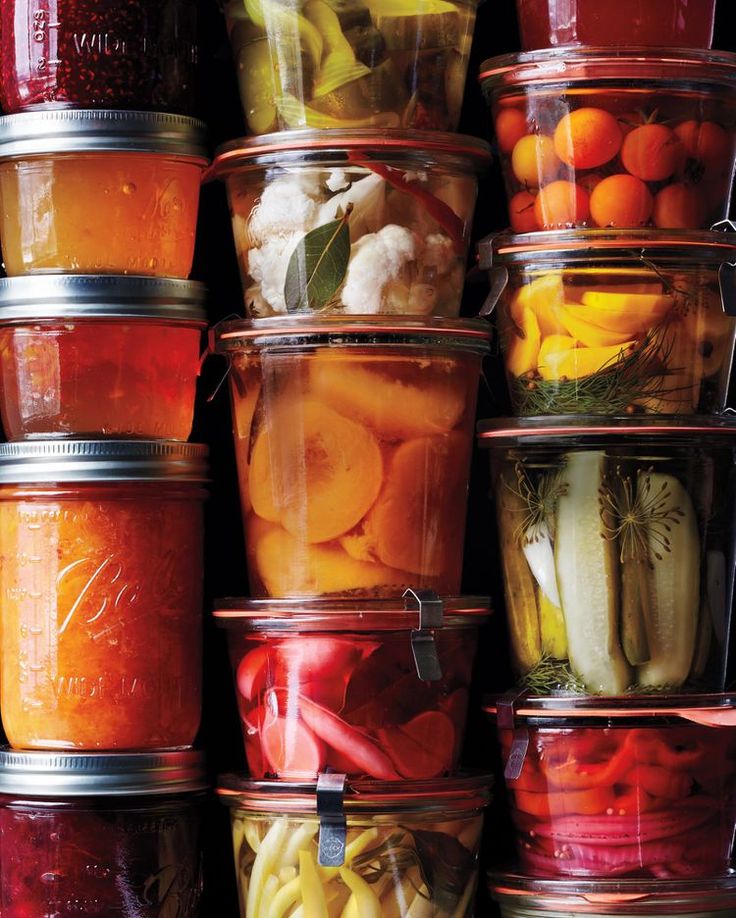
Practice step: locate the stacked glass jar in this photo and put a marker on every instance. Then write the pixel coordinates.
(100, 494)
(615, 483)
(353, 389)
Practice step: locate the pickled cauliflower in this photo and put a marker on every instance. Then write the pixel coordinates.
(375, 261)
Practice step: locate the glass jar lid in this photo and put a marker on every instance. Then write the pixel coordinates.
(100, 296)
(466, 792)
(638, 67)
(600, 245)
(591, 429)
(527, 897)
(338, 331)
(56, 461)
(93, 774)
(340, 147)
(69, 130)
(713, 710)
(299, 616)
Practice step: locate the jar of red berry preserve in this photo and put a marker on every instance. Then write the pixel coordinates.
(100, 835)
(98, 53)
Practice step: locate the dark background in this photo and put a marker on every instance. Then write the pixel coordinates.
(496, 33)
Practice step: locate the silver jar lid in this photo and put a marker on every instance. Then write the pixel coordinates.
(52, 461)
(83, 130)
(100, 296)
(96, 774)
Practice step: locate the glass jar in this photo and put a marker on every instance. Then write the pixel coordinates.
(101, 586)
(524, 897)
(138, 54)
(408, 848)
(99, 356)
(100, 835)
(668, 23)
(353, 442)
(606, 789)
(618, 138)
(393, 214)
(341, 686)
(99, 192)
(615, 322)
(617, 549)
(356, 65)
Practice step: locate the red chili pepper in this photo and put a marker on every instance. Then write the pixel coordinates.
(442, 213)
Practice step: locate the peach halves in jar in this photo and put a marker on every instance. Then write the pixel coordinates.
(100, 591)
(353, 443)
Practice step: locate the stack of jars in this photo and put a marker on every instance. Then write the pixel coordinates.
(353, 389)
(100, 494)
(615, 484)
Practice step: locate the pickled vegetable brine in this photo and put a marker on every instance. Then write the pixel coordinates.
(377, 64)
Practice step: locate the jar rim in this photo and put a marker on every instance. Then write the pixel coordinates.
(35, 297)
(335, 144)
(101, 774)
(635, 65)
(81, 130)
(467, 791)
(714, 709)
(300, 616)
(624, 896)
(337, 331)
(57, 461)
(552, 430)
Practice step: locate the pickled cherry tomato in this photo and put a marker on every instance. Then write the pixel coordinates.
(510, 127)
(561, 204)
(679, 206)
(652, 152)
(621, 200)
(708, 144)
(587, 138)
(521, 212)
(534, 160)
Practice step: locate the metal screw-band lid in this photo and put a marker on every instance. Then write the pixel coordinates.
(46, 461)
(100, 296)
(83, 130)
(73, 774)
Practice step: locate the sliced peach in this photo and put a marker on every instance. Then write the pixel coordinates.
(629, 314)
(418, 521)
(287, 567)
(313, 470)
(585, 361)
(542, 296)
(522, 349)
(429, 398)
(572, 318)
(553, 349)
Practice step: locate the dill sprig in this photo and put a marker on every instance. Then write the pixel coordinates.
(551, 675)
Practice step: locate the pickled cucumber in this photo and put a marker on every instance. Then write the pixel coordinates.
(587, 576)
(416, 25)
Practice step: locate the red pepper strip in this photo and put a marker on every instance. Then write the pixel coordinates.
(657, 751)
(660, 782)
(581, 803)
(442, 213)
(578, 775)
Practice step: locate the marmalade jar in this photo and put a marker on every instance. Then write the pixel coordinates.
(99, 356)
(133, 54)
(615, 322)
(377, 65)
(526, 897)
(606, 788)
(99, 192)
(614, 137)
(670, 23)
(339, 685)
(404, 848)
(617, 550)
(353, 443)
(101, 593)
(100, 835)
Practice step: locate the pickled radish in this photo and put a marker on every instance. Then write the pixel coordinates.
(251, 674)
(291, 748)
(423, 747)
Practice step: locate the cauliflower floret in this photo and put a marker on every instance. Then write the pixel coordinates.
(375, 261)
(267, 266)
(288, 204)
(439, 254)
(337, 180)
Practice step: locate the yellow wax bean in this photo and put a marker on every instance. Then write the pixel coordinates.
(313, 894)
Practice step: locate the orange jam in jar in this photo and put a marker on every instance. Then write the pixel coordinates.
(99, 192)
(100, 585)
(99, 356)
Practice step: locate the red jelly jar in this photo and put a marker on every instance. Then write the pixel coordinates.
(98, 53)
(100, 835)
(99, 356)
(375, 689)
(607, 788)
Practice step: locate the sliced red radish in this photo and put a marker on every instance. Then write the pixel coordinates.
(423, 747)
(251, 677)
(291, 748)
(312, 657)
(347, 741)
